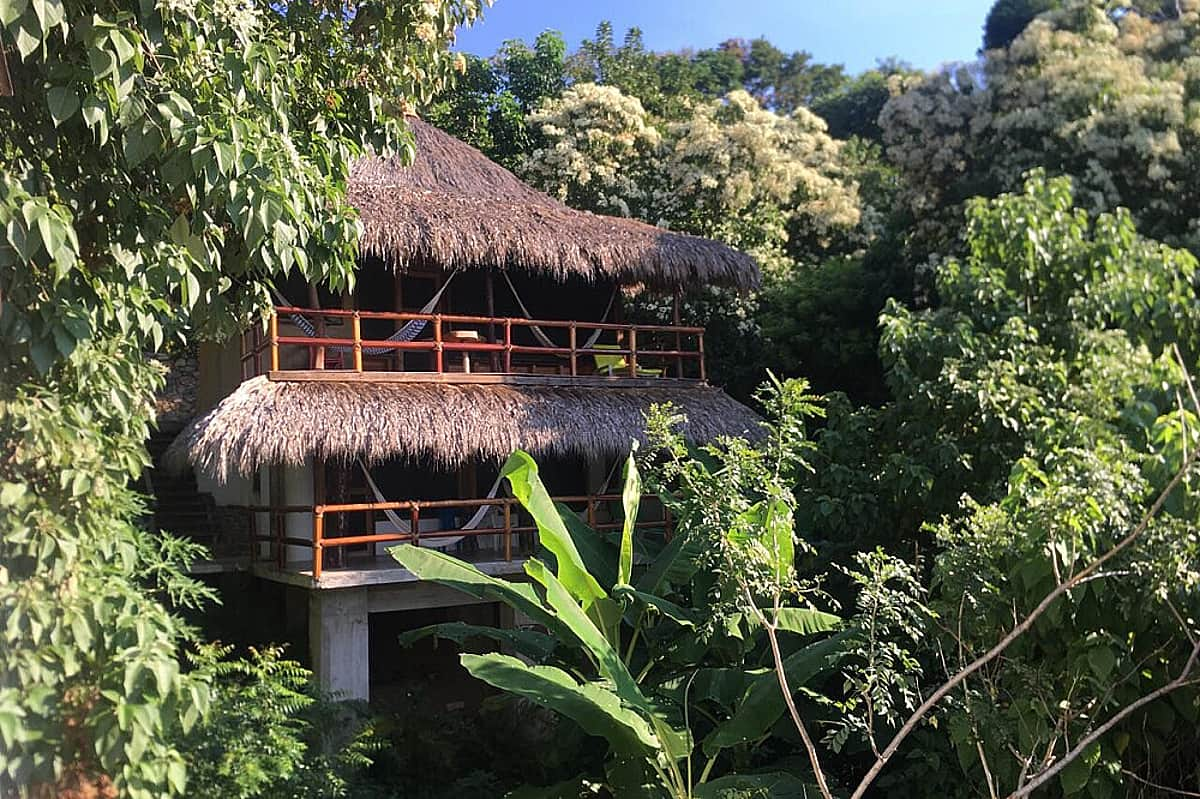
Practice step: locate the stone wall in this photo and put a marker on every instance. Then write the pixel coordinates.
(176, 402)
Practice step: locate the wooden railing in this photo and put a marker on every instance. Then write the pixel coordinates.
(505, 345)
(512, 520)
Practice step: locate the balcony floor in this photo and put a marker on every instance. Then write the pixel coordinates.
(381, 569)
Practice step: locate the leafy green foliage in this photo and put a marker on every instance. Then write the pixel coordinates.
(267, 735)
(160, 165)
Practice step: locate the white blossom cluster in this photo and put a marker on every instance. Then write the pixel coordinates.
(1114, 102)
(599, 144)
(731, 169)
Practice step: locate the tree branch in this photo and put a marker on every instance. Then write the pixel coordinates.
(1100, 731)
(1021, 627)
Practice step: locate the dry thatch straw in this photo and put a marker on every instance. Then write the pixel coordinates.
(266, 421)
(454, 208)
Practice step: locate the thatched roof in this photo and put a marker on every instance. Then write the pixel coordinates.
(453, 207)
(447, 424)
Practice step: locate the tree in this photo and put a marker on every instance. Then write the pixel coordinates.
(159, 166)
(1042, 411)
(598, 151)
(1007, 18)
(1105, 99)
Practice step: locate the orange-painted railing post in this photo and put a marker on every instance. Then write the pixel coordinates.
(414, 526)
(508, 346)
(633, 366)
(508, 530)
(356, 327)
(574, 355)
(437, 344)
(274, 342)
(318, 542)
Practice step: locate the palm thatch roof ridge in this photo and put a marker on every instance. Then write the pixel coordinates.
(455, 208)
(289, 422)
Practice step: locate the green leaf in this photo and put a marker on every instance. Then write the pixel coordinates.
(522, 474)
(63, 104)
(11, 10)
(772, 785)
(1102, 659)
(806, 621)
(1075, 775)
(11, 493)
(594, 708)
(763, 703)
(675, 565)
(631, 497)
(587, 633)
(429, 564)
(528, 642)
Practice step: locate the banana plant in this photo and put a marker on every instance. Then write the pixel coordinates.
(634, 663)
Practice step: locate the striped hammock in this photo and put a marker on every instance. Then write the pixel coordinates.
(540, 334)
(440, 542)
(408, 332)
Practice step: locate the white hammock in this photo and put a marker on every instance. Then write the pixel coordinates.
(408, 332)
(404, 526)
(540, 334)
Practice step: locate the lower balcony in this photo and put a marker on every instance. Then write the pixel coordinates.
(345, 545)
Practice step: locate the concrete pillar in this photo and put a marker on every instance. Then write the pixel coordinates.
(338, 641)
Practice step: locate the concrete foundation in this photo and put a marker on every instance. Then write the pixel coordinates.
(339, 641)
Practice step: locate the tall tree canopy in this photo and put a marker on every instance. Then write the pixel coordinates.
(160, 165)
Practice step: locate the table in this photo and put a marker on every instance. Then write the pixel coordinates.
(464, 336)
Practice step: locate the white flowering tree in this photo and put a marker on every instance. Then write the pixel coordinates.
(1111, 101)
(740, 173)
(598, 151)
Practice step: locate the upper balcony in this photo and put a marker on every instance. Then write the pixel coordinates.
(463, 348)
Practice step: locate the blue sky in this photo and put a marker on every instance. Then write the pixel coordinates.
(850, 32)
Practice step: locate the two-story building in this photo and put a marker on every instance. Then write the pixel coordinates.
(486, 317)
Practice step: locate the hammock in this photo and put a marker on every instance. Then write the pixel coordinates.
(440, 542)
(540, 334)
(408, 332)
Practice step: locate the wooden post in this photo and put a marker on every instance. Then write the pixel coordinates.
(356, 326)
(6, 86)
(438, 358)
(633, 366)
(508, 529)
(414, 525)
(678, 338)
(318, 541)
(574, 357)
(489, 292)
(700, 340)
(591, 511)
(274, 341)
(508, 346)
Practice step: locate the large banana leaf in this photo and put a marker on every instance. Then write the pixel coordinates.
(522, 474)
(597, 550)
(527, 642)
(585, 631)
(763, 702)
(774, 785)
(631, 498)
(429, 564)
(596, 709)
